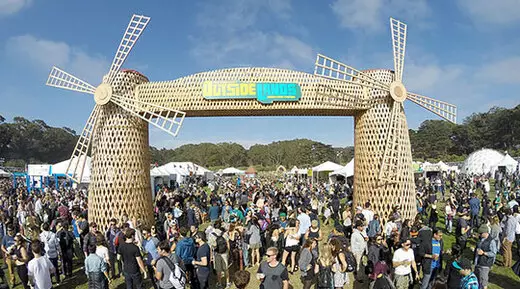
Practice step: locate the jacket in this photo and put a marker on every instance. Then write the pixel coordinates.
(426, 248)
(304, 261)
(186, 250)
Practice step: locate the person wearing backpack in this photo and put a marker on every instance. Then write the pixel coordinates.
(186, 250)
(220, 250)
(324, 268)
(168, 271)
(66, 241)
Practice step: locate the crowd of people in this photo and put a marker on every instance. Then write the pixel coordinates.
(279, 231)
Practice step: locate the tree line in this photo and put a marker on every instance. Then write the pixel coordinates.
(24, 141)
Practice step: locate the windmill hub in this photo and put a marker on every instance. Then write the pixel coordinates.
(103, 93)
(398, 91)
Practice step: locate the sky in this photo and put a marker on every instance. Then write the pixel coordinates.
(466, 52)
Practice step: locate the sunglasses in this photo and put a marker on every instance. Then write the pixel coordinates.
(407, 244)
(270, 255)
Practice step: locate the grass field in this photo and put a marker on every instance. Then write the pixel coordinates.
(500, 277)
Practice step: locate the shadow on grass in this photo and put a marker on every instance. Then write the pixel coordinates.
(503, 281)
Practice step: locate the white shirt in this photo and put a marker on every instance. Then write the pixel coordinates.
(389, 227)
(305, 223)
(39, 268)
(402, 255)
(369, 215)
(51, 244)
(449, 211)
(357, 242)
(102, 252)
(517, 229)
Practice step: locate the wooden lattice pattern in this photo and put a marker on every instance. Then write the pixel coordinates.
(370, 130)
(185, 94)
(120, 176)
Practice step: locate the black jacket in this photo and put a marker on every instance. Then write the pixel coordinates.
(426, 248)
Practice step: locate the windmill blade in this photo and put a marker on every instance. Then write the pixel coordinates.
(61, 79)
(443, 109)
(133, 32)
(169, 120)
(333, 69)
(390, 163)
(399, 46)
(79, 155)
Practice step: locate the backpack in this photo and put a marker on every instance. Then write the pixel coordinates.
(221, 245)
(325, 277)
(351, 261)
(177, 276)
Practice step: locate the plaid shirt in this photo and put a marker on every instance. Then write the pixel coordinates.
(469, 282)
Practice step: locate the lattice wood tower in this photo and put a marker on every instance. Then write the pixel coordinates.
(126, 102)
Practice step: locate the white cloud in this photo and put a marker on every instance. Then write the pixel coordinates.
(504, 71)
(43, 54)
(236, 39)
(373, 14)
(496, 11)
(9, 7)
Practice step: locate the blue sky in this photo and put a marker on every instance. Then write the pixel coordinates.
(466, 52)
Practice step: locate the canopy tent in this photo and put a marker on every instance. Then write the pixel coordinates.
(346, 171)
(293, 171)
(251, 171)
(481, 162)
(4, 174)
(231, 171)
(437, 167)
(327, 166)
(508, 163)
(60, 169)
(177, 171)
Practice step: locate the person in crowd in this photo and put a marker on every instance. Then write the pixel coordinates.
(292, 240)
(509, 224)
(431, 252)
(164, 265)
(96, 269)
(66, 242)
(340, 266)
(8, 245)
(133, 263)
(202, 260)
(462, 231)
(404, 261)
(151, 255)
(39, 269)
(485, 253)
(306, 262)
(111, 234)
(358, 243)
(271, 273)
(242, 279)
(52, 248)
(21, 258)
(469, 280)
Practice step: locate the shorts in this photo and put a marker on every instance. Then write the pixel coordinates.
(255, 246)
(294, 248)
(482, 275)
(221, 262)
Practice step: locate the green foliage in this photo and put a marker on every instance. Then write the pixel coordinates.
(440, 140)
(24, 141)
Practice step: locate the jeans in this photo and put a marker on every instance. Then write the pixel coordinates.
(475, 221)
(23, 274)
(428, 279)
(203, 277)
(112, 257)
(134, 280)
(245, 254)
(449, 224)
(54, 262)
(67, 262)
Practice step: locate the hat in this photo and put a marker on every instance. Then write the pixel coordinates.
(464, 264)
(283, 214)
(359, 208)
(483, 229)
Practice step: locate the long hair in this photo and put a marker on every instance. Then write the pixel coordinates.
(326, 258)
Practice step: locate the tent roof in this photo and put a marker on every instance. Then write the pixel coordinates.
(232, 171)
(61, 168)
(346, 171)
(327, 166)
(481, 161)
(507, 160)
(181, 168)
(4, 173)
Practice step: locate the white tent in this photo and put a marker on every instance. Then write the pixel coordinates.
(481, 162)
(61, 168)
(232, 171)
(346, 171)
(327, 166)
(4, 174)
(508, 162)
